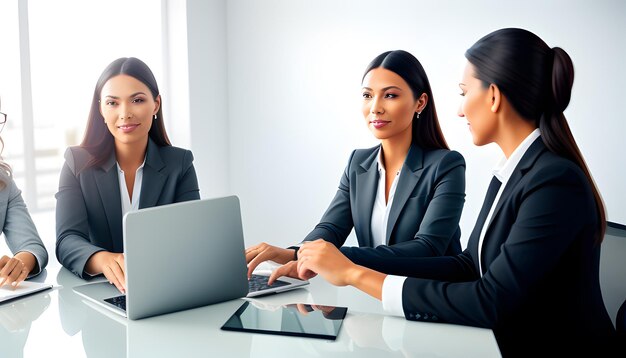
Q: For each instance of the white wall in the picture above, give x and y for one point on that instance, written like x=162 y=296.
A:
x=208 y=89
x=293 y=102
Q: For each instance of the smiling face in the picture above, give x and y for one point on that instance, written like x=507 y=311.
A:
x=476 y=107
x=128 y=107
x=388 y=104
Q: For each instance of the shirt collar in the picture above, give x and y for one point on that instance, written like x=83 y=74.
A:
x=379 y=159
x=119 y=169
x=504 y=168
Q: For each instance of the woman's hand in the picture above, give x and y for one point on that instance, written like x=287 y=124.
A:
x=263 y=252
x=290 y=269
x=111 y=265
x=322 y=257
x=13 y=270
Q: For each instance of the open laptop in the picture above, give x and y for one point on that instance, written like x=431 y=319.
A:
x=181 y=256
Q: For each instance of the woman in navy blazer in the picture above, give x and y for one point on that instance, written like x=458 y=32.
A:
x=124 y=163
x=530 y=271
x=30 y=254
x=404 y=196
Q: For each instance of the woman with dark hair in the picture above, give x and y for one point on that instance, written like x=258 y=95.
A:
x=530 y=270
x=403 y=197
x=124 y=163
x=30 y=256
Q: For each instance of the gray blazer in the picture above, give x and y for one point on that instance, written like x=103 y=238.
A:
x=426 y=209
x=18 y=227
x=89 y=208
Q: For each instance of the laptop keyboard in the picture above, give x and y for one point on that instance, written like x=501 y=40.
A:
x=256 y=283
x=259 y=282
x=118 y=301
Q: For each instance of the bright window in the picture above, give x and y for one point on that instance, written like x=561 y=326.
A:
x=65 y=47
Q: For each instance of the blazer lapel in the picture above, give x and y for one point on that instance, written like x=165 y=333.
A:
x=522 y=168
x=153 y=180
x=108 y=185
x=367 y=180
x=409 y=176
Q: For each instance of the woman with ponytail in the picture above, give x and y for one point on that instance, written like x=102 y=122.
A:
x=530 y=271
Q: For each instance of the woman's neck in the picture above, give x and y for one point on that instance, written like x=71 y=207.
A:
x=130 y=155
x=395 y=151
x=514 y=133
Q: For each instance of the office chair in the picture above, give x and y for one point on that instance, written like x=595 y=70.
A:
x=620 y=319
x=613 y=272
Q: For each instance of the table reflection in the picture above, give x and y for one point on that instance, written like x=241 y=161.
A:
x=16 y=317
x=180 y=334
x=102 y=337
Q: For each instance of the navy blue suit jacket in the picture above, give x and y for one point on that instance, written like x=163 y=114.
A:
x=425 y=213
x=540 y=278
x=89 y=207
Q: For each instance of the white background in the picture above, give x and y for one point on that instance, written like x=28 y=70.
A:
x=267 y=93
x=293 y=102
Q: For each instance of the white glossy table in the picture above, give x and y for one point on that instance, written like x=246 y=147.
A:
x=58 y=323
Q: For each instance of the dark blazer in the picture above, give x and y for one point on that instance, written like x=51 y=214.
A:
x=425 y=213
x=89 y=208
x=540 y=265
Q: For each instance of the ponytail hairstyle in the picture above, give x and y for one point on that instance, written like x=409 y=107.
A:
x=98 y=141
x=537 y=80
x=425 y=130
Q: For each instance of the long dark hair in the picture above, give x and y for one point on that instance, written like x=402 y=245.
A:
x=537 y=80
x=98 y=141
x=425 y=130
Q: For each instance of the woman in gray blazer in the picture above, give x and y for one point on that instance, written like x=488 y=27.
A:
x=30 y=254
x=404 y=196
x=124 y=163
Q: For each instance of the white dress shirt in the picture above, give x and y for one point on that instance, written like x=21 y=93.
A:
x=380 y=211
x=392 y=286
x=127 y=203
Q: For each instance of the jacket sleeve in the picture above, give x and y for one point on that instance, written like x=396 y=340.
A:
x=187 y=187
x=20 y=231
x=550 y=214
x=439 y=226
x=73 y=247
x=336 y=223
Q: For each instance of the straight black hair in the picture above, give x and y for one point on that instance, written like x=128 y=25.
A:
x=426 y=131
x=98 y=141
x=537 y=80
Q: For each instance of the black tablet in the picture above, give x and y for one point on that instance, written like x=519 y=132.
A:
x=299 y=320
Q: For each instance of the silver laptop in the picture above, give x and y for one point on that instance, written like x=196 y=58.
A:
x=181 y=256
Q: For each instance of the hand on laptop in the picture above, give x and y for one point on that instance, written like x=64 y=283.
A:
x=324 y=258
x=111 y=265
x=290 y=269
x=263 y=252
x=13 y=270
